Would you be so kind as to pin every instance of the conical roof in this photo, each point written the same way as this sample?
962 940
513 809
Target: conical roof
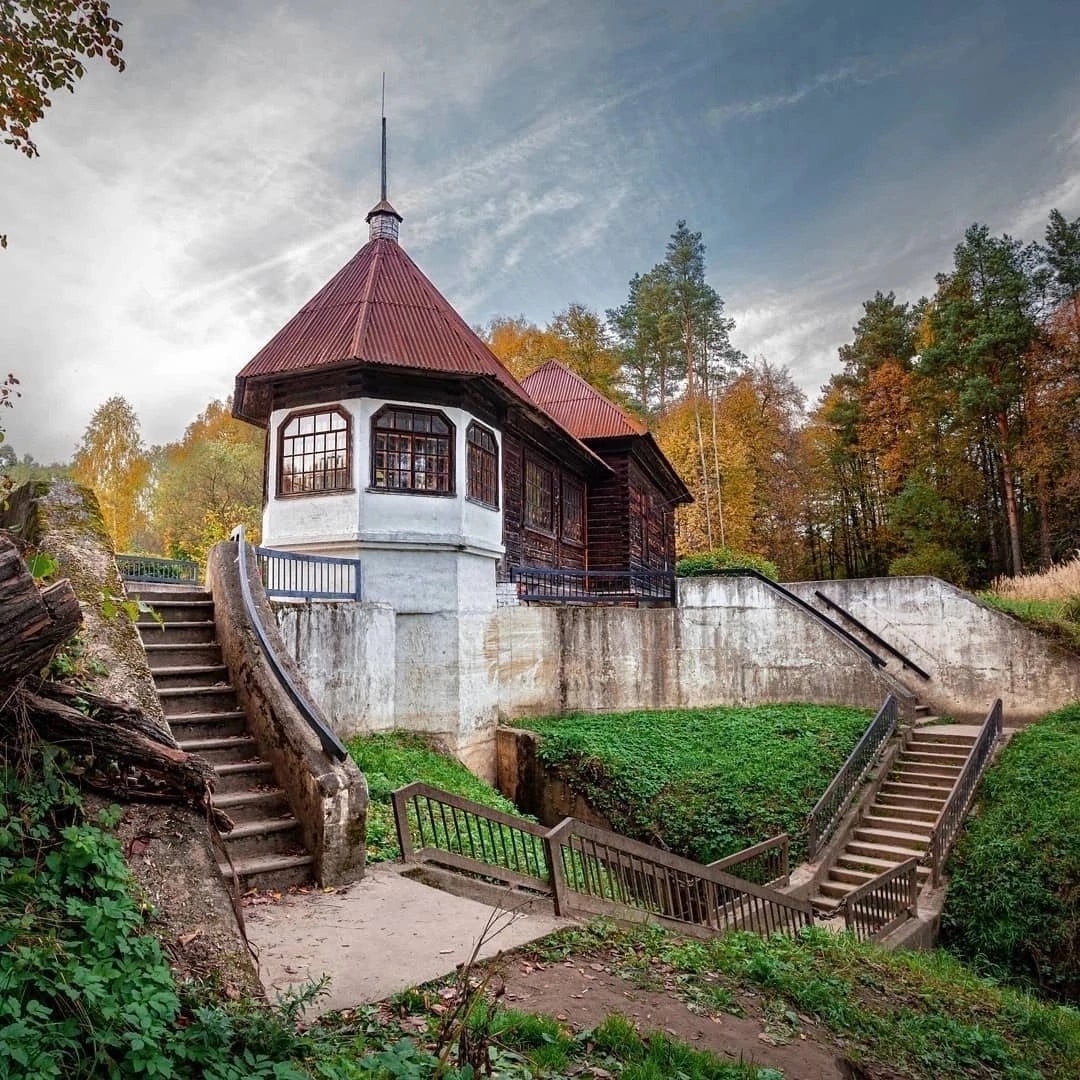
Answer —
379 309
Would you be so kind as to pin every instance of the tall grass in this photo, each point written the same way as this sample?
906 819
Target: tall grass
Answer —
1060 582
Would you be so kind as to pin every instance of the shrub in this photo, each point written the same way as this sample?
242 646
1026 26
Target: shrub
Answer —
933 561
724 558
1013 906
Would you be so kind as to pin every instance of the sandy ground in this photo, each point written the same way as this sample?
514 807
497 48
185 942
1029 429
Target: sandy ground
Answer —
377 937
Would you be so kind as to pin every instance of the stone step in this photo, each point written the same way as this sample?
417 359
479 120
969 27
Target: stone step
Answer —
270 871
253 804
906 763
243 776
183 610
930 736
936 795
885 807
921 804
223 750
922 779
180 655
878 865
217 725
874 820
201 631
891 838
838 889
154 593
168 678
273 836
933 757
849 874
879 850
190 699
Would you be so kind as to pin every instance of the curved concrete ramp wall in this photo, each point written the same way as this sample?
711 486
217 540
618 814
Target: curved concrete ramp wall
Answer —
972 652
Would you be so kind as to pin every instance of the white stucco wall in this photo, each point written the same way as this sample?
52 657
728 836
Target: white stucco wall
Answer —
349 523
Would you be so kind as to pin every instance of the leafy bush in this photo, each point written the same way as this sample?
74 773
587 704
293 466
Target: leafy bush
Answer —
724 558
931 560
397 758
704 782
1013 906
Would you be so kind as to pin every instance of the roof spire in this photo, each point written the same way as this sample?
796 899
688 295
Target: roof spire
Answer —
382 218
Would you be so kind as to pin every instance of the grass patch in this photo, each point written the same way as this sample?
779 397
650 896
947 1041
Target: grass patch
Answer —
917 1014
1058 620
397 758
1013 907
703 782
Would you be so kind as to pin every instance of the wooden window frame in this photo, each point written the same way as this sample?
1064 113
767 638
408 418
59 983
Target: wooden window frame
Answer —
573 484
448 439
346 485
527 521
484 459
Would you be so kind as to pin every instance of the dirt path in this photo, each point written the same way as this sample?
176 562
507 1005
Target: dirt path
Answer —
582 992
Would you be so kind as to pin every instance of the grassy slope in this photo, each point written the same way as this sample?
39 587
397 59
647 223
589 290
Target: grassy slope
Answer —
1014 900
706 781
916 1014
397 758
1059 620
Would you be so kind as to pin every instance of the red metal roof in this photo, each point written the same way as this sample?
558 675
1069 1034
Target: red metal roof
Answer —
578 406
379 309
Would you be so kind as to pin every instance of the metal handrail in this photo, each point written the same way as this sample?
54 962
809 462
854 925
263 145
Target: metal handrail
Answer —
881 904
559 583
809 608
877 639
952 814
291 573
830 808
153 568
770 856
330 742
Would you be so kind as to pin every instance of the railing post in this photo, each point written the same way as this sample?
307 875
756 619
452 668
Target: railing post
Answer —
552 839
401 824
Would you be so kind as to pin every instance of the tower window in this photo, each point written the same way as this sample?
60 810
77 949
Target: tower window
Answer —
315 453
412 450
483 470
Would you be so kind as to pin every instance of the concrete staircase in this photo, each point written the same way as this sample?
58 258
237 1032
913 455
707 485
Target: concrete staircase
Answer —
200 704
897 825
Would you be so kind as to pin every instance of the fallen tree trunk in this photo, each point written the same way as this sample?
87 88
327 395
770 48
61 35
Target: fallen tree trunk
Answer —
116 749
34 622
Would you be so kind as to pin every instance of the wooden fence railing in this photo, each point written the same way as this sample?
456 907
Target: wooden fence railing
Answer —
764 864
952 814
826 815
589 870
879 906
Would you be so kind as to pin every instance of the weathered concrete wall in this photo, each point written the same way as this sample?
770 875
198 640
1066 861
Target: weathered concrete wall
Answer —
972 652
328 797
347 654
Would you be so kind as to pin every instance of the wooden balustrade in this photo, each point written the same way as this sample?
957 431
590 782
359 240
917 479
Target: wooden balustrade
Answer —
879 906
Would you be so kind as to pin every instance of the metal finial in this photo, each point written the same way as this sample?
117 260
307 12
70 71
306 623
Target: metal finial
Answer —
383 189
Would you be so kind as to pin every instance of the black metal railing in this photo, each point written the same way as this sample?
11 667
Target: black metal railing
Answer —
549 585
311 714
876 638
312 577
960 797
883 903
150 568
825 816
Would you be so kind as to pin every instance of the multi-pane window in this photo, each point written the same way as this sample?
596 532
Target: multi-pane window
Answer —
539 496
315 453
412 451
483 465
573 511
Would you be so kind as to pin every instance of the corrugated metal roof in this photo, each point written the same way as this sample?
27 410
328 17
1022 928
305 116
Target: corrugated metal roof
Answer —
578 406
379 309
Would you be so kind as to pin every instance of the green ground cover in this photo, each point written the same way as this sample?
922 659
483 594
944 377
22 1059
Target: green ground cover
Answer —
1013 907
703 782
898 1014
1057 619
397 758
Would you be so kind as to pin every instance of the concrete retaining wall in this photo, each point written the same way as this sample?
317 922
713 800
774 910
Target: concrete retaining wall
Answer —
972 652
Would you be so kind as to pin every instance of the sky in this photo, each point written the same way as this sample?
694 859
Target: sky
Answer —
541 152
